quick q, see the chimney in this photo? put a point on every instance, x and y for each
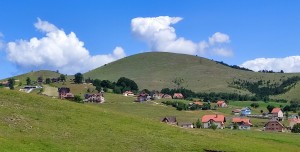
(216, 115)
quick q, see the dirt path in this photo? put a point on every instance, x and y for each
(50, 91)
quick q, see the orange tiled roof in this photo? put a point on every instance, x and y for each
(178, 95)
(296, 120)
(238, 120)
(276, 110)
(220, 102)
(216, 118)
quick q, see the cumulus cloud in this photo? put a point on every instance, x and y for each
(287, 64)
(159, 34)
(56, 51)
(219, 38)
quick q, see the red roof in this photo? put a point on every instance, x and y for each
(177, 95)
(276, 110)
(296, 120)
(236, 110)
(220, 102)
(239, 120)
(128, 92)
(216, 118)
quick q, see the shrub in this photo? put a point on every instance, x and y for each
(214, 126)
(198, 124)
(235, 126)
(78, 99)
(296, 128)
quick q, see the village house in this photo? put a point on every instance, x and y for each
(208, 120)
(54, 80)
(40, 79)
(274, 125)
(236, 111)
(64, 93)
(221, 103)
(128, 93)
(293, 121)
(97, 97)
(143, 97)
(166, 96)
(186, 125)
(178, 96)
(242, 123)
(169, 120)
(155, 95)
(245, 111)
(68, 96)
(5, 83)
(277, 114)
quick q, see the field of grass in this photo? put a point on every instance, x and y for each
(30, 122)
(293, 94)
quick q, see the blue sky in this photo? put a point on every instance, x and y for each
(254, 34)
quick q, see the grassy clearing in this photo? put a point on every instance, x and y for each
(29, 122)
(50, 91)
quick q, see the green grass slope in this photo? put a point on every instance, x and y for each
(31, 122)
(35, 74)
(157, 70)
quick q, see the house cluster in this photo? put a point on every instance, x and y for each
(96, 97)
(65, 93)
(153, 96)
(241, 122)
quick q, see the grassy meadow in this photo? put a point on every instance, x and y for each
(30, 122)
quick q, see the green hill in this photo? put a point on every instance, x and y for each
(157, 70)
(31, 122)
(35, 74)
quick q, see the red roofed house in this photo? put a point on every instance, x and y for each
(236, 111)
(64, 92)
(242, 123)
(178, 96)
(128, 93)
(98, 97)
(277, 114)
(221, 103)
(293, 121)
(166, 96)
(5, 83)
(274, 125)
(216, 119)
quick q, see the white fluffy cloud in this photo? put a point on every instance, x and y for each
(56, 51)
(160, 36)
(158, 33)
(219, 38)
(287, 64)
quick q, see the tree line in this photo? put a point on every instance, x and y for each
(263, 89)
